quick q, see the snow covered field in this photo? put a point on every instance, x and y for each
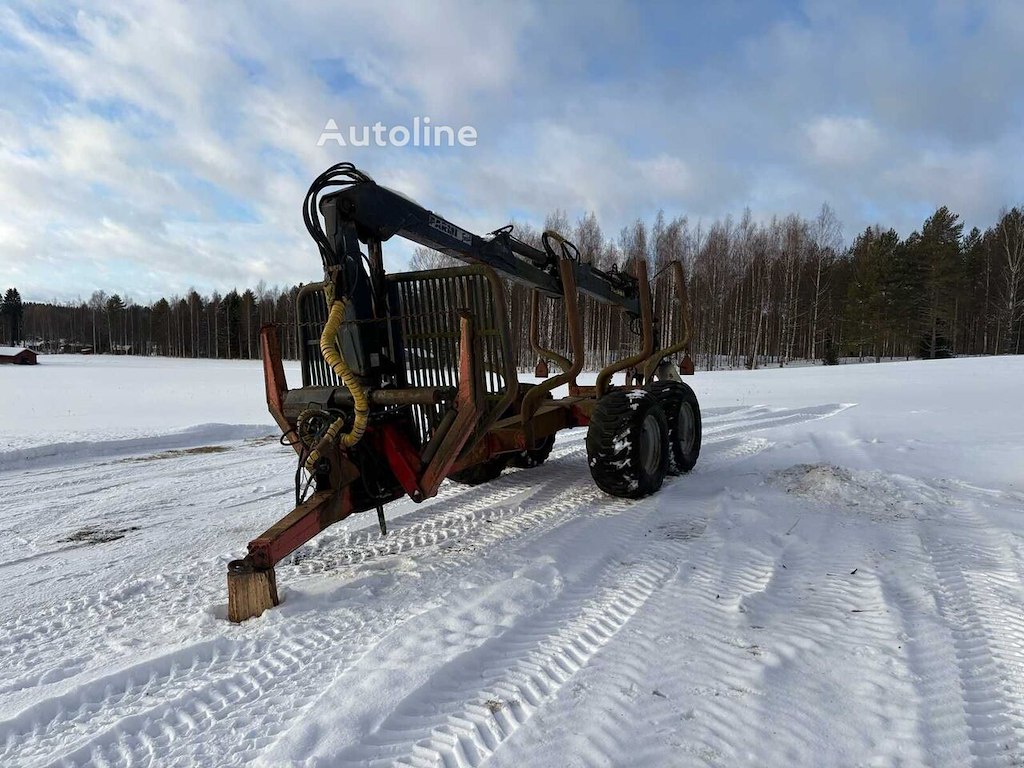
(838, 582)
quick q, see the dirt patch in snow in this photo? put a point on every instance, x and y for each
(177, 453)
(683, 531)
(871, 492)
(97, 535)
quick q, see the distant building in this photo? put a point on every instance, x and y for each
(74, 349)
(17, 355)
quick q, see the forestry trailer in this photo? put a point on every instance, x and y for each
(411, 378)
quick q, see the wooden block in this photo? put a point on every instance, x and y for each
(251, 591)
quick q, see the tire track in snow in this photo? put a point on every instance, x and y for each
(130, 604)
(125, 691)
(616, 683)
(205, 711)
(36, 637)
(508, 497)
(765, 622)
(977, 579)
(843, 621)
(947, 579)
(129, 610)
(468, 707)
(209, 707)
(92, 722)
(955, 575)
(761, 418)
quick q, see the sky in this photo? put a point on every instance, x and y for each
(148, 148)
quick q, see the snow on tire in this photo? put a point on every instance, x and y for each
(627, 444)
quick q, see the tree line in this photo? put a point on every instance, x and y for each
(762, 292)
(214, 326)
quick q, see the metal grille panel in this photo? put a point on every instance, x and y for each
(428, 305)
(429, 320)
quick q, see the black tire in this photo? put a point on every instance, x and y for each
(684, 426)
(533, 457)
(627, 444)
(480, 473)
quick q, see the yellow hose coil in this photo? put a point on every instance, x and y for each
(361, 403)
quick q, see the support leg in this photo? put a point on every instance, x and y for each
(251, 590)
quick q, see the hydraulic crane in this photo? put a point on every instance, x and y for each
(410, 378)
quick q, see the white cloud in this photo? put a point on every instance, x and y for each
(844, 141)
(149, 147)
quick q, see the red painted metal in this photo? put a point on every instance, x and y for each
(469, 406)
(274, 378)
(401, 457)
(322, 509)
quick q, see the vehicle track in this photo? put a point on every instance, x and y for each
(182, 702)
(126, 713)
(485, 695)
(129, 609)
(137, 696)
(977, 582)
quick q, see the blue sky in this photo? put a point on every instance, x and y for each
(153, 147)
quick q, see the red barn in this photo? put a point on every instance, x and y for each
(17, 355)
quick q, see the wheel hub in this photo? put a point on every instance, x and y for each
(685, 428)
(650, 445)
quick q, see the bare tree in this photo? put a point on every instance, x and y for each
(828, 239)
(1010, 238)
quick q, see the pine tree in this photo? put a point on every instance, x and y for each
(231, 324)
(13, 311)
(113, 308)
(937, 252)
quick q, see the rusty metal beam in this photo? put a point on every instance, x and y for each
(647, 332)
(537, 394)
(274, 379)
(322, 509)
(651, 364)
(545, 354)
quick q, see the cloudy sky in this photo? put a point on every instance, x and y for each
(159, 146)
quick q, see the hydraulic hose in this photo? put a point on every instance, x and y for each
(361, 403)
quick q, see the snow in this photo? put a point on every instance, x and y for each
(97, 398)
(837, 582)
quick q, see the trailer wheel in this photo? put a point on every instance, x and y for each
(684, 427)
(480, 473)
(534, 457)
(627, 444)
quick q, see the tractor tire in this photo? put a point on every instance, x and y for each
(684, 426)
(627, 444)
(533, 457)
(481, 473)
